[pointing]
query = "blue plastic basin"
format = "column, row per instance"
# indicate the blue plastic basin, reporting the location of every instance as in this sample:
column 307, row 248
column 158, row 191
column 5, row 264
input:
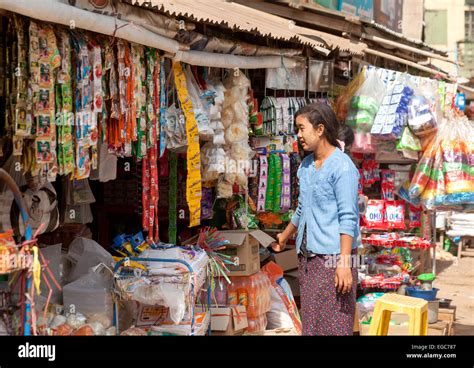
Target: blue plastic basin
column 428, row 295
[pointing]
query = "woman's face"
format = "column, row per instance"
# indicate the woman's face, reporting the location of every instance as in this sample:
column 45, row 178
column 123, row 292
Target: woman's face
column 309, row 137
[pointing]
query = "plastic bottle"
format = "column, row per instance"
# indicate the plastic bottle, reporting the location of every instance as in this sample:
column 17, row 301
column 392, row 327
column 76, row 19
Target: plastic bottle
column 221, row 291
column 232, row 295
column 243, row 293
column 257, row 295
column 266, row 291
column 251, row 293
column 254, row 307
column 251, row 325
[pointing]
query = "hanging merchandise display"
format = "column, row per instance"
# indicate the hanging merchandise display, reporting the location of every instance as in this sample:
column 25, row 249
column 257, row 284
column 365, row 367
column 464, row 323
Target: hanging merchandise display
column 23, row 125
column 147, row 144
column 86, row 131
column 287, row 79
column 64, row 107
column 173, row 187
column 278, row 114
column 343, row 101
column 263, row 183
column 392, row 113
column 421, row 119
column 444, row 176
column 286, row 183
column 193, row 179
column 235, row 119
column 364, row 106
column 213, row 157
column 365, row 103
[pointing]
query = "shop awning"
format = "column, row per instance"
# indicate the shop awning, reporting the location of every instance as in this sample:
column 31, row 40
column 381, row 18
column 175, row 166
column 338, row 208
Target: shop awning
column 242, row 18
column 378, row 36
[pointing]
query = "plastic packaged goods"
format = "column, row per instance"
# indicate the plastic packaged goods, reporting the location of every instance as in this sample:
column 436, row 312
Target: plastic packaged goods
column 363, row 142
column 257, row 324
column 392, row 114
column 388, row 184
column 395, row 214
column 253, row 290
column 365, row 103
column 414, row 216
column 408, row 141
column 344, row 99
column 375, row 215
column 90, row 294
column 444, row 178
column 366, row 302
column 420, row 118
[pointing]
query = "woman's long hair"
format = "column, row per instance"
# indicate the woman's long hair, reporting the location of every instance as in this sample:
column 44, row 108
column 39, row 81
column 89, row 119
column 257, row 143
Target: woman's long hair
column 320, row 113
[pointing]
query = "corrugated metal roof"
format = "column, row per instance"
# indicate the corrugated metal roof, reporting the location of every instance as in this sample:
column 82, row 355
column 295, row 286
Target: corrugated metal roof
column 415, row 42
column 240, row 17
column 357, row 20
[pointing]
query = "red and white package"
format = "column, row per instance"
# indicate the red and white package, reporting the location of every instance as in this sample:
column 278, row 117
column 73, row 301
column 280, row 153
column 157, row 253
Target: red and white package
column 388, row 184
column 414, row 216
column 375, row 215
column 395, row 214
column 388, row 191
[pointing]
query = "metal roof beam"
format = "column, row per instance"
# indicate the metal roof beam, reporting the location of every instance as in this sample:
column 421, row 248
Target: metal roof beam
column 408, row 48
column 333, row 24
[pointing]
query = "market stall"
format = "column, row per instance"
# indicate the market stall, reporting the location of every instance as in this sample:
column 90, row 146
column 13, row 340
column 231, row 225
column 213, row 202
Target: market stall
column 184, row 162
column 78, row 106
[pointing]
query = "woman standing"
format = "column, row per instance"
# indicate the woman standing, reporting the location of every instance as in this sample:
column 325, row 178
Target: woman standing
column 327, row 222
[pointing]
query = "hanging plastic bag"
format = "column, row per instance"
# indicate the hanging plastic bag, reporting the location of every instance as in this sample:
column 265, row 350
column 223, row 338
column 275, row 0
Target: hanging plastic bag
column 343, row 101
column 201, row 114
column 422, row 117
column 366, row 102
column 421, row 177
column 175, row 128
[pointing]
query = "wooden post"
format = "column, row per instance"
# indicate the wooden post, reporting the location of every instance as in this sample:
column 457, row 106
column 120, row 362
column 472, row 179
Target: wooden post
column 461, row 243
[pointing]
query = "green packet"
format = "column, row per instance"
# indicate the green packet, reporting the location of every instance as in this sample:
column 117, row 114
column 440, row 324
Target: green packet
column 408, row 141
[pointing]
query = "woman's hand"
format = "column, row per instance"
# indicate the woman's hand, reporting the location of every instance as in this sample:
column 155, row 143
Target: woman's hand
column 343, row 279
column 281, row 244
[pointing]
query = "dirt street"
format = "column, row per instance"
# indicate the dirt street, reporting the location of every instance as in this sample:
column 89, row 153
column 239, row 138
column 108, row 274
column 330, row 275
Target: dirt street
column 456, row 281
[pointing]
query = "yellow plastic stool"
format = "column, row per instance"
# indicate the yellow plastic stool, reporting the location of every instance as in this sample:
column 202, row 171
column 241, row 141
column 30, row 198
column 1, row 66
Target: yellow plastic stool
column 416, row 308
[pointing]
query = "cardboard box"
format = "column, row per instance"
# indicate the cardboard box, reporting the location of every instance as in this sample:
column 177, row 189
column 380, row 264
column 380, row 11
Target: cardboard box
column 288, row 259
column 228, row 321
column 244, row 245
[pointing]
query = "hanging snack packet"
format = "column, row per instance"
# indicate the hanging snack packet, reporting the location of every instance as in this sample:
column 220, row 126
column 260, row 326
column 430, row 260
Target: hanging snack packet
column 375, row 214
column 408, row 141
column 395, row 214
